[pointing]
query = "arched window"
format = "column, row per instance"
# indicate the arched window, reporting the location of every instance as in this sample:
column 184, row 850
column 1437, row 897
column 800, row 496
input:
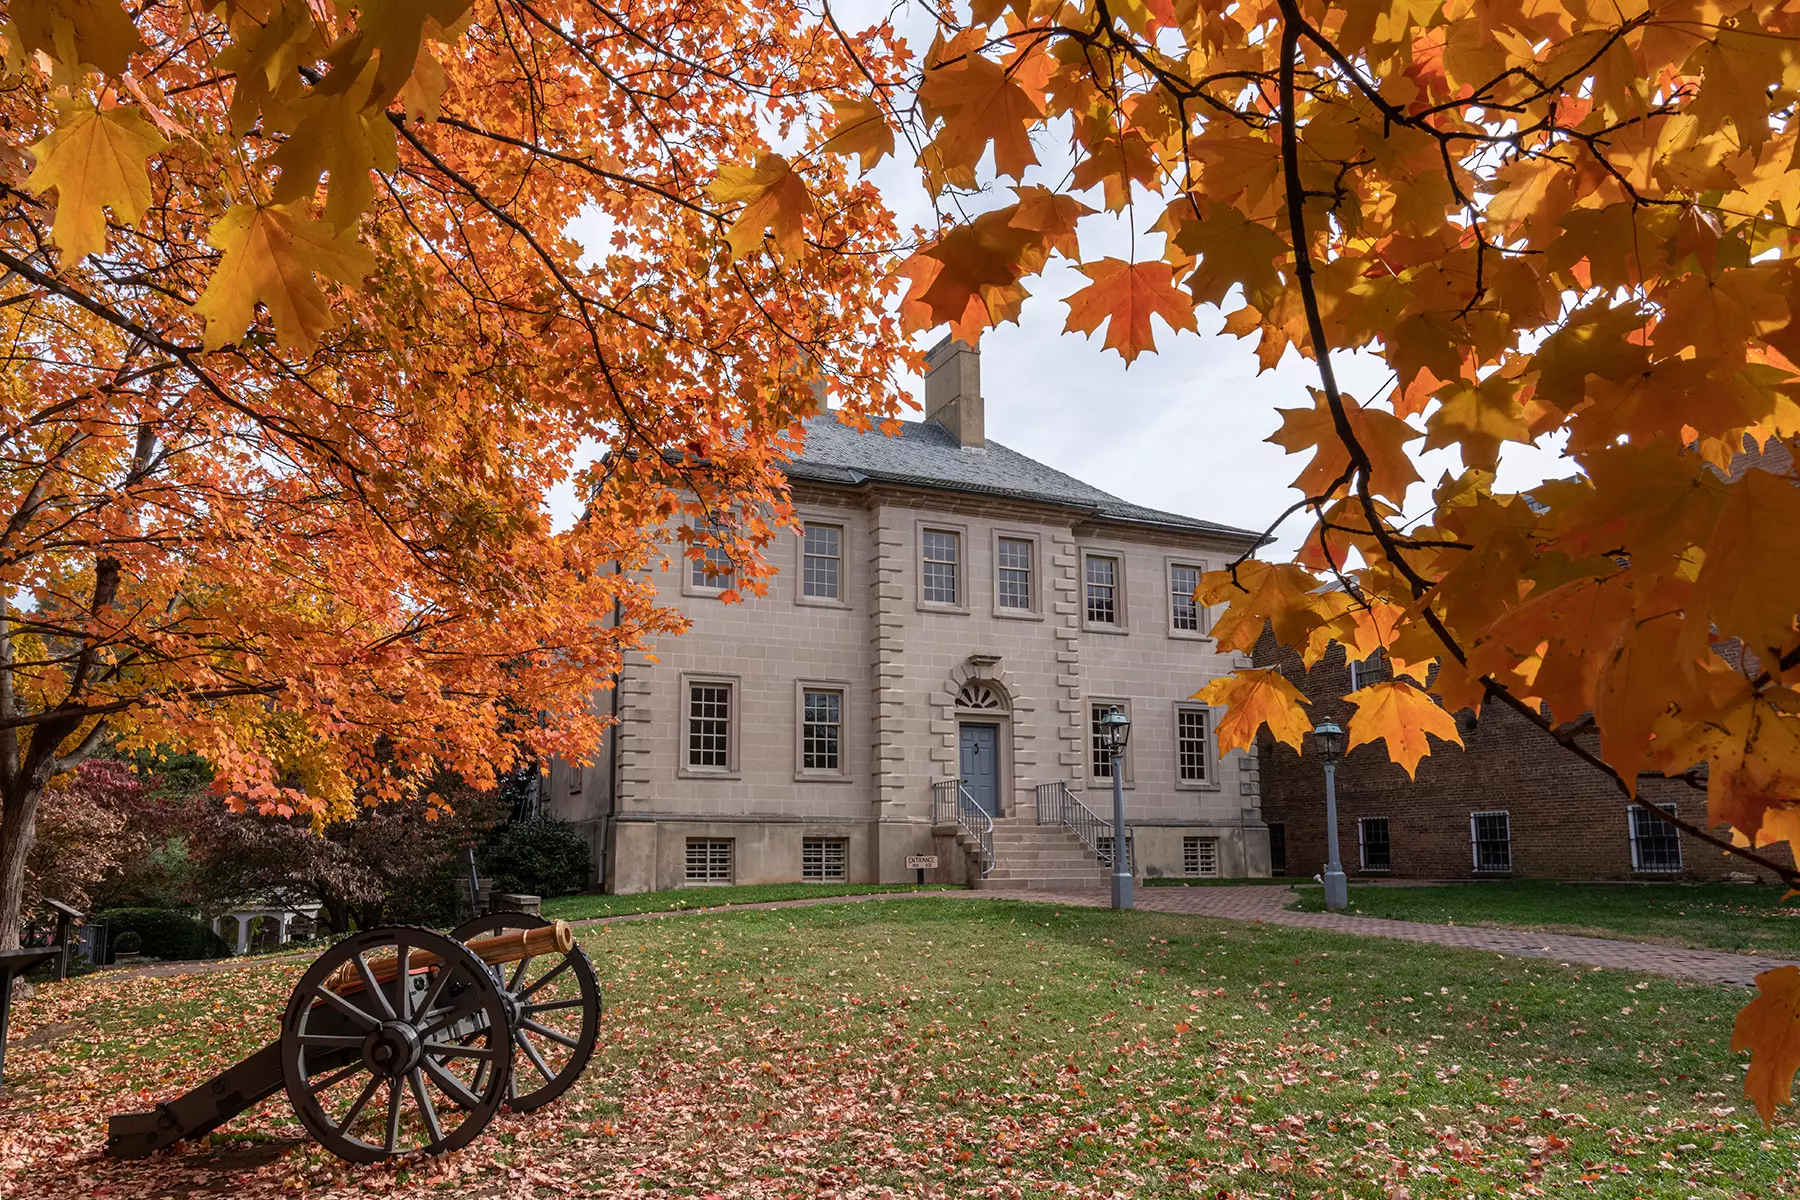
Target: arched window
column 981, row 697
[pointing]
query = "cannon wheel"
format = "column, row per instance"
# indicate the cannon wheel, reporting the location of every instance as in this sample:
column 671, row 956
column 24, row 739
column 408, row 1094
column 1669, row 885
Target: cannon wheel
column 555, row 1001
column 415, row 1064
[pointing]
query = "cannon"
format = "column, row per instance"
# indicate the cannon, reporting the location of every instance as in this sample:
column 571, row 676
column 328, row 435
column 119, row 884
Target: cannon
column 403, row 1041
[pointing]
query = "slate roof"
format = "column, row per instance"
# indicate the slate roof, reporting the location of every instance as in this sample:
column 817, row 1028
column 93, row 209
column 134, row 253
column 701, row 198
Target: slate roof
column 924, row 454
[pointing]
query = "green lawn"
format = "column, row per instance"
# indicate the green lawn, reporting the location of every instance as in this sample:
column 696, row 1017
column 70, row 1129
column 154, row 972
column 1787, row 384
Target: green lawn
column 1716, row 916
column 587, row 907
column 949, row 1048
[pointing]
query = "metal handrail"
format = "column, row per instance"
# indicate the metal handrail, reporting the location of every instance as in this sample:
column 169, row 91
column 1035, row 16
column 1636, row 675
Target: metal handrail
column 951, row 801
column 1057, row 805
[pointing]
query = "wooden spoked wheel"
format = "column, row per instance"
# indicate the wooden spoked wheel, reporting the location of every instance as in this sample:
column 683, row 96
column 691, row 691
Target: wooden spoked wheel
column 396, row 1042
column 554, row 1002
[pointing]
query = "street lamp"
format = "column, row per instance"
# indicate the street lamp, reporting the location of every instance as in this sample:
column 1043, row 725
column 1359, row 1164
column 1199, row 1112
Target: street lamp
column 1115, row 731
column 1330, row 741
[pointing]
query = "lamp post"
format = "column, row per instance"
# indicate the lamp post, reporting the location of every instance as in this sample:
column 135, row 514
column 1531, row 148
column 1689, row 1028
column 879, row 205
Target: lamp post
column 1115, row 727
column 1330, row 741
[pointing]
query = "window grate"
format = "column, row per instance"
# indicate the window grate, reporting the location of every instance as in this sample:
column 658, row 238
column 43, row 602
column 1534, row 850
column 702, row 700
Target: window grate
column 1277, row 847
column 822, row 559
column 1015, row 574
column 1102, row 590
column 942, row 554
column 822, row 859
column 1103, row 845
column 1655, row 843
column 1372, row 839
column 821, row 731
column 1491, row 833
column 1190, row 744
column 709, row 725
column 1184, row 610
column 709, row 861
column 1200, row 857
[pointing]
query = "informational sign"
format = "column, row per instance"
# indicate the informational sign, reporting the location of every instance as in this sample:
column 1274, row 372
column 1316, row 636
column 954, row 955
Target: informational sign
column 921, row 862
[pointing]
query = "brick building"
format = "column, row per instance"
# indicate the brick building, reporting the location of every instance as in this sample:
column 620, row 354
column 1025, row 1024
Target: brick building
column 1510, row 804
column 951, row 615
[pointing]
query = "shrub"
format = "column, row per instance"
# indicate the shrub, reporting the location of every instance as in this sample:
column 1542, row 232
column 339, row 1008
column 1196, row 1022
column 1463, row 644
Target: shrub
column 129, row 942
column 541, row 856
column 165, row 934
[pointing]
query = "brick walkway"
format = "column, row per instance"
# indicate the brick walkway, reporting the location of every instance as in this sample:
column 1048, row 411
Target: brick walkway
column 1268, row 905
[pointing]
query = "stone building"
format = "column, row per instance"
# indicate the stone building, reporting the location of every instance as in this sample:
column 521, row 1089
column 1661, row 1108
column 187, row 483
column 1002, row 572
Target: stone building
column 949, row 623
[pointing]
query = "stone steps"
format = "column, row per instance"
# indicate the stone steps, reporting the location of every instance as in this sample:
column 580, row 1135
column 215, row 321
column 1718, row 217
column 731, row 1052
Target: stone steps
column 1033, row 857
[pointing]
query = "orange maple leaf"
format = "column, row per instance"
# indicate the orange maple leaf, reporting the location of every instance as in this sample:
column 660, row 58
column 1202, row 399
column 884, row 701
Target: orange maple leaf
column 1769, row 1028
column 775, row 200
column 1254, row 698
column 981, row 102
column 1383, row 437
column 1402, row 715
column 1126, row 295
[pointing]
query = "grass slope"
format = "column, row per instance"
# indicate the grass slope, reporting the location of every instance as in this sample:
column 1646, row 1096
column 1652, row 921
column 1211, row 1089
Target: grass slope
column 1716, row 916
column 948, row 1048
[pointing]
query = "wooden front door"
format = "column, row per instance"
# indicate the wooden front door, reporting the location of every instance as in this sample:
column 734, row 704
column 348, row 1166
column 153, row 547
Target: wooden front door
column 981, row 765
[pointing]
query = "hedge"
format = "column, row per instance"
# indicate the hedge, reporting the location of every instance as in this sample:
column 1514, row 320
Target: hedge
column 164, row 933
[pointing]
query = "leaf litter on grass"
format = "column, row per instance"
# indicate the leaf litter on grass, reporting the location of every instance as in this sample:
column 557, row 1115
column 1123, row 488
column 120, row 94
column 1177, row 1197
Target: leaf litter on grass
column 942, row 1048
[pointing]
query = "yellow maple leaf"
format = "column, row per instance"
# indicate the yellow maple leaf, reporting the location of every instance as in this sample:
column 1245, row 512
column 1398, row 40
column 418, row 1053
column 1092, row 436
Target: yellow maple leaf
column 1382, row 435
column 1401, row 715
column 272, row 253
column 1751, row 576
column 94, row 158
column 1769, row 1028
column 859, row 128
column 775, row 200
column 1281, row 594
column 98, row 33
column 1254, row 698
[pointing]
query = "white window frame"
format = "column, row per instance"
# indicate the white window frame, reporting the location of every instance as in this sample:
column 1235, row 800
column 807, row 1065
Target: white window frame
column 825, row 851
column 1370, row 667
column 803, row 773
column 1633, row 815
column 1475, row 841
column 709, row 874
column 1211, row 748
column 1119, row 596
column 961, row 534
column 1362, row 843
column 1202, row 613
column 1094, row 703
column 842, row 559
column 733, row 722
column 695, row 581
column 1036, row 578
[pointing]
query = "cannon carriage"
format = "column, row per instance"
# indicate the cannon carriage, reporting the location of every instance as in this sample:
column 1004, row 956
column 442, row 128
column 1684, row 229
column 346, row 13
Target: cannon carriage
column 402, row 1041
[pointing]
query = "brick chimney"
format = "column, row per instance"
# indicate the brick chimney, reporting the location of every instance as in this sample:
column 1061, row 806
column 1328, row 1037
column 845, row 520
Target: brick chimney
column 953, row 391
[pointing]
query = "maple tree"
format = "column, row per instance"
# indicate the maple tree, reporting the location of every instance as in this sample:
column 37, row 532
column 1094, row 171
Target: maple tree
column 1561, row 224
column 301, row 331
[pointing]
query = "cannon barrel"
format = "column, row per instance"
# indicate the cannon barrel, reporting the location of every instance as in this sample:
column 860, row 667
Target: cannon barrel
column 556, row 938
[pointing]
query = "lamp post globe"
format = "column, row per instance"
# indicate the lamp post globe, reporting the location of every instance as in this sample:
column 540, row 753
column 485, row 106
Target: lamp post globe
column 1328, row 737
column 1115, row 729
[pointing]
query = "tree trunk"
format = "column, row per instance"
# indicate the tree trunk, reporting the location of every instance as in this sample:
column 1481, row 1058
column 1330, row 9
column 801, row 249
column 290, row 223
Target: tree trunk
column 368, row 915
column 18, row 830
column 337, row 916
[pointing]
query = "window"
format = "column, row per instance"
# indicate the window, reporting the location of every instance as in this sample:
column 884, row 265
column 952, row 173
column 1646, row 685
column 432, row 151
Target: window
column 1013, row 587
column 1200, row 856
column 709, row 726
column 942, row 567
column 822, row 859
column 1655, row 843
column 1102, row 590
column 712, row 570
column 1184, row 610
column 708, row 861
column 1491, row 832
column 821, row 561
column 1099, row 742
column 1191, row 745
column 821, row 731
column 1372, row 837
column 1277, row 848
column 1365, row 672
